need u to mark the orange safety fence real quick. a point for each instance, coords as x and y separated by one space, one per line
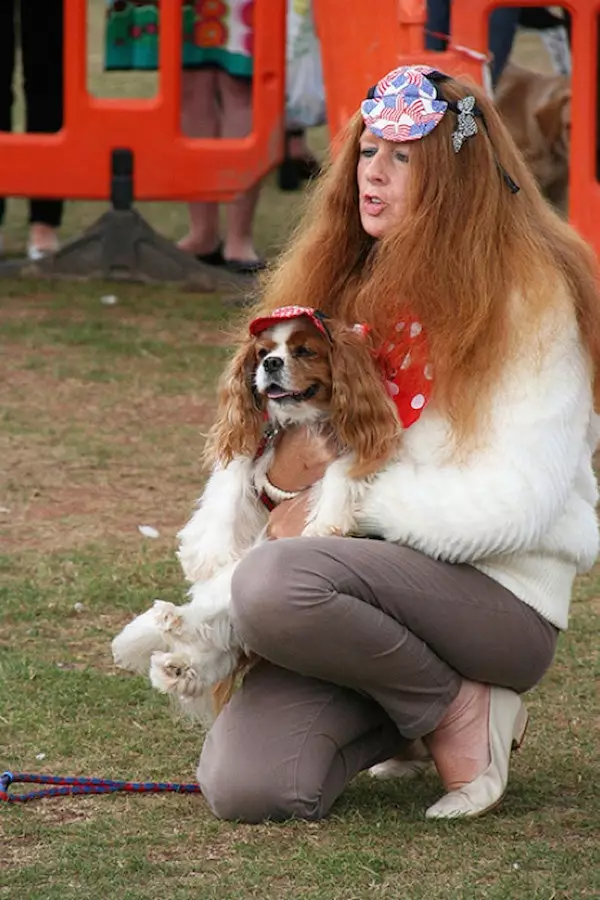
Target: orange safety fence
75 162
360 46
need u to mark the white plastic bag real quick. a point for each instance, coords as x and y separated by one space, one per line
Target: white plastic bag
305 92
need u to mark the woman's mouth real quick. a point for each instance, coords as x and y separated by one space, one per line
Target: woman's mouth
373 205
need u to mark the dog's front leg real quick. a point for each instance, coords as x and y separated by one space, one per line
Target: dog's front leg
206 648
166 626
133 647
224 525
333 501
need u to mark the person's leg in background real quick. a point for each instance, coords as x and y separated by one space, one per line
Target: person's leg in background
299 164
236 121
7 64
42 52
502 29
501 35
437 24
200 118
215 104
305 97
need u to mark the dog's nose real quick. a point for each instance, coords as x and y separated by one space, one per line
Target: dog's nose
272 364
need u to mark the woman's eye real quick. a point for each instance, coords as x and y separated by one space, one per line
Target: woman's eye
368 152
303 351
401 157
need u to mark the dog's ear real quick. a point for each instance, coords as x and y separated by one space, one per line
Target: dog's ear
363 416
550 116
238 428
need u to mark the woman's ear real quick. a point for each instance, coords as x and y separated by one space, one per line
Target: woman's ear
363 415
238 427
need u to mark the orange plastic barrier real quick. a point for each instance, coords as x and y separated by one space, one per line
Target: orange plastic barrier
76 162
361 46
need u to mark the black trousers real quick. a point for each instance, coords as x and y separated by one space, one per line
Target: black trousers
40 25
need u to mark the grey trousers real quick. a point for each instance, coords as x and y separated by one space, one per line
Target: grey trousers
364 645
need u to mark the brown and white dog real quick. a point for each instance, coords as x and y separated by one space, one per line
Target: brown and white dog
537 111
296 367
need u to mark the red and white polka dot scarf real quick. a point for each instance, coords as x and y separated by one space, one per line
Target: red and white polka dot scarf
408 373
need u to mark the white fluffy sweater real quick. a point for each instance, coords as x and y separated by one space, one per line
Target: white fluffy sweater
522 507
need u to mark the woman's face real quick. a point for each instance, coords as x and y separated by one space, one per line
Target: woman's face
382 176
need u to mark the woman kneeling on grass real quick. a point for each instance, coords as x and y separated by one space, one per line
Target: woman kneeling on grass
371 649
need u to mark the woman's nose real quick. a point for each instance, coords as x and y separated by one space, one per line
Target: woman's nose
376 172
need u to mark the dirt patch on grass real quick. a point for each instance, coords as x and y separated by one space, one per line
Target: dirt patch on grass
218 335
19 851
91 460
27 308
55 517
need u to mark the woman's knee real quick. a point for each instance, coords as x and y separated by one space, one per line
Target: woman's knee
251 790
265 589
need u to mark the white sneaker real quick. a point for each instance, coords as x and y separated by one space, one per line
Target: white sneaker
35 253
416 761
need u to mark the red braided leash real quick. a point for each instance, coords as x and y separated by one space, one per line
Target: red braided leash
63 786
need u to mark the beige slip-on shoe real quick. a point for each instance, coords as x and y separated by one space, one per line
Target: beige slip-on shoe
507 724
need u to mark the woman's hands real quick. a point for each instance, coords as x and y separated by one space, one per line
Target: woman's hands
301 457
288 518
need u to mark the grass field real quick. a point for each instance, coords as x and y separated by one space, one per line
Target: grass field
102 416
102 412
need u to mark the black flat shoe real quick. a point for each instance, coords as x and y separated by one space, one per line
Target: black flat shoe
308 167
292 172
215 258
245 266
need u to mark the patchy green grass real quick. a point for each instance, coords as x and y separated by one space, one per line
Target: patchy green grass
102 412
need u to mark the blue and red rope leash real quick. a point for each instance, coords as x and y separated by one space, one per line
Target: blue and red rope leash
68 786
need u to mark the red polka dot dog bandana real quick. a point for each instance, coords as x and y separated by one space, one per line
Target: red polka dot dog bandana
407 372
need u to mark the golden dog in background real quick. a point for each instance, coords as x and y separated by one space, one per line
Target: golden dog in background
537 110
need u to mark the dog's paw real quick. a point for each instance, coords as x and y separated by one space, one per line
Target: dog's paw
167 616
331 510
191 669
174 673
318 528
328 522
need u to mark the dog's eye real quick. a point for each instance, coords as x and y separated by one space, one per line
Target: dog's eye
261 353
303 352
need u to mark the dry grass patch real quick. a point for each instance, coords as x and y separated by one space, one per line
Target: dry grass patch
91 459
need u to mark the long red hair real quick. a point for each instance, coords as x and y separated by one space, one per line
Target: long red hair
466 247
